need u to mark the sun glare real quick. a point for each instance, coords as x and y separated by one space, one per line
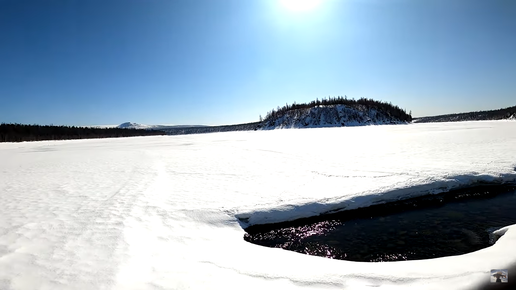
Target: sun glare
300 5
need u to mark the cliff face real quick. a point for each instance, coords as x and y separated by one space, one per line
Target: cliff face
331 116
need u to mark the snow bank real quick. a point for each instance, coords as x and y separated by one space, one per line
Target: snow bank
162 212
288 212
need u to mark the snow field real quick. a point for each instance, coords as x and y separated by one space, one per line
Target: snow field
166 212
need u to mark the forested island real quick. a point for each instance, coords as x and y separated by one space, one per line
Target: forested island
335 112
331 112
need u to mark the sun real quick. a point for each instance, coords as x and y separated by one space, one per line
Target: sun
300 5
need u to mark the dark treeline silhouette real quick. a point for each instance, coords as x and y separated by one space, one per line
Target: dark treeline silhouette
500 114
362 104
20 132
211 129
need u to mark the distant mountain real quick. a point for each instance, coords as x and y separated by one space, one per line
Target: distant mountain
335 112
500 114
131 125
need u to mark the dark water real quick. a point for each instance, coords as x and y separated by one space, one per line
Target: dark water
443 227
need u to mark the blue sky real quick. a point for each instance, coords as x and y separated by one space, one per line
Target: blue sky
228 61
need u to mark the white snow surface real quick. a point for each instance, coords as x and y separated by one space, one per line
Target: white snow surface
162 212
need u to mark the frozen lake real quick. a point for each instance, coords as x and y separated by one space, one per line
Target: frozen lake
168 212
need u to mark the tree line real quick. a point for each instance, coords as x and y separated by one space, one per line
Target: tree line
212 129
499 114
361 104
21 132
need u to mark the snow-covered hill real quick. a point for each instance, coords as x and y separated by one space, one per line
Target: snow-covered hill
331 116
131 125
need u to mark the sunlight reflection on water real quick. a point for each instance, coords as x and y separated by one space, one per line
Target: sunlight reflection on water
451 228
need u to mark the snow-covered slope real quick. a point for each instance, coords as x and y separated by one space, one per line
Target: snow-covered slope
331 116
166 212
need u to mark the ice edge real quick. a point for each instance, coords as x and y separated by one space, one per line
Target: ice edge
290 212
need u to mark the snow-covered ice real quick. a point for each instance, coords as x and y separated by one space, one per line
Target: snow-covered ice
166 212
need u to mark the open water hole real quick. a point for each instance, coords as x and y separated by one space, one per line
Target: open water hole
420 228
